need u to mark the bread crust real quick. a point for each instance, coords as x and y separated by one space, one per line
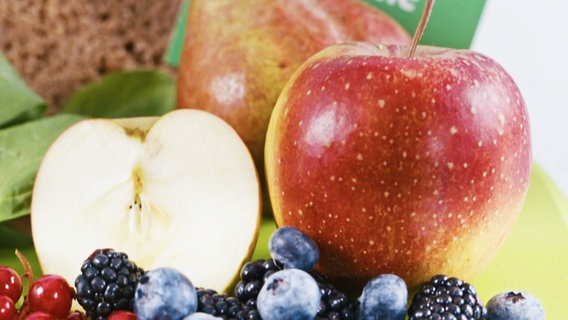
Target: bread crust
58 46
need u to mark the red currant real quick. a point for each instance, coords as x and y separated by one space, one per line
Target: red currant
39 315
76 315
122 315
51 294
10 283
8 310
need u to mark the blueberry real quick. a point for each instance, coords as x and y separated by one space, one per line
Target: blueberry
201 316
516 305
164 294
293 248
384 297
291 294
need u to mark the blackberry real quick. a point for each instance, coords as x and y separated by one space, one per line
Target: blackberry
252 275
225 306
334 304
107 283
446 298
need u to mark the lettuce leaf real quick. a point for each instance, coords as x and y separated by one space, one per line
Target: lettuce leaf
18 103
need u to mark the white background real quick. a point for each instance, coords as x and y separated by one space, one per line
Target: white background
530 40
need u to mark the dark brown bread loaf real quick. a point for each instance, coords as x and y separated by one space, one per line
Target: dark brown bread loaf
58 46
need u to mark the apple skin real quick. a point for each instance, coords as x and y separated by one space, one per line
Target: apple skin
237 72
393 164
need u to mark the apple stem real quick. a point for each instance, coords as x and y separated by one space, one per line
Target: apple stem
428 5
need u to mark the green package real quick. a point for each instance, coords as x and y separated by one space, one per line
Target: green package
452 23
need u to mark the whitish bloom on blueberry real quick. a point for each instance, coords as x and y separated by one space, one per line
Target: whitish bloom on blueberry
291 294
384 297
293 248
514 305
164 294
201 316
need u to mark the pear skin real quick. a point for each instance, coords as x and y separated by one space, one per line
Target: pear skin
238 55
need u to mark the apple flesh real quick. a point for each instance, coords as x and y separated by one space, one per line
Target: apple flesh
178 191
395 164
237 72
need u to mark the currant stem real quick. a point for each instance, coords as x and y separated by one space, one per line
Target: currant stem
428 5
27 267
24 309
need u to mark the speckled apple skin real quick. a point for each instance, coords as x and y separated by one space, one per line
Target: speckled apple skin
413 166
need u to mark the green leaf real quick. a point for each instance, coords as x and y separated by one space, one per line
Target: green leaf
21 150
12 238
125 94
17 102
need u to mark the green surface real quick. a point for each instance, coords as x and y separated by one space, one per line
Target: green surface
534 257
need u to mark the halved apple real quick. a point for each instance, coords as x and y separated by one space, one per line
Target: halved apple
179 190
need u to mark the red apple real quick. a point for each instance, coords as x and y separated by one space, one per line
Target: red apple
238 55
413 165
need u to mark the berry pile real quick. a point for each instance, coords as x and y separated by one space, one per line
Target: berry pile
334 305
48 298
107 283
110 286
252 278
383 297
289 247
224 306
10 291
164 293
446 298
